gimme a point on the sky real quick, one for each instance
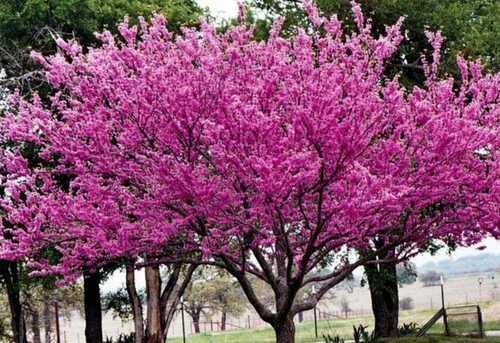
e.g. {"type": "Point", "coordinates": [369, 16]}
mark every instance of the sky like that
{"type": "Point", "coordinates": [492, 246]}
{"type": "Point", "coordinates": [221, 9]}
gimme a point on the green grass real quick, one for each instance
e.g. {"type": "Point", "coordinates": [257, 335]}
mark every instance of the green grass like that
{"type": "Point", "coordinates": [343, 328]}
{"type": "Point", "coordinates": [304, 333]}
{"type": "Point", "coordinates": [441, 339]}
{"type": "Point", "coordinates": [462, 327]}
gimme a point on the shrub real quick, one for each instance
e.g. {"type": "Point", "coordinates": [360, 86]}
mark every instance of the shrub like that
{"type": "Point", "coordinates": [361, 335]}
{"type": "Point", "coordinates": [333, 339]}
{"type": "Point", "coordinates": [408, 329]}
{"type": "Point", "coordinates": [406, 304]}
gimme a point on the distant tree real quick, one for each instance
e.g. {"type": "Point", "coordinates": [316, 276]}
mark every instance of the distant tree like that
{"type": "Point", "coordinates": [406, 304]}
{"type": "Point", "coordinates": [226, 297]}
{"type": "Point", "coordinates": [406, 273]}
{"type": "Point", "coordinates": [118, 303]}
{"type": "Point", "coordinates": [344, 307]}
{"type": "Point", "coordinates": [213, 292]}
{"type": "Point", "coordinates": [430, 278]}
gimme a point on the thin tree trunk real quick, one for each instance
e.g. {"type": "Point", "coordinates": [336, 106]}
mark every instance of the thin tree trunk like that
{"type": "Point", "coordinates": [93, 311]}
{"type": "Point", "coordinates": [385, 299]}
{"type": "Point", "coordinates": [223, 319]}
{"type": "Point", "coordinates": [153, 293]}
{"type": "Point", "coordinates": [136, 304]}
{"type": "Point", "coordinates": [172, 294]}
{"type": "Point", "coordinates": [35, 326]}
{"type": "Point", "coordinates": [47, 321]}
{"type": "Point", "coordinates": [285, 330]}
{"type": "Point", "coordinates": [196, 320]}
{"type": "Point", "coordinates": [10, 273]}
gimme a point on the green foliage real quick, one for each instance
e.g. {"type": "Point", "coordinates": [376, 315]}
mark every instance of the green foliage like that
{"type": "Point", "coordinates": [406, 273]}
{"type": "Point", "coordinates": [20, 21]}
{"type": "Point", "coordinates": [408, 329]}
{"type": "Point", "coordinates": [360, 334]}
{"type": "Point", "coordinates": [333, 339]}
{"type": "Point", "coordinates": [27, 25]}
{"type": "Point", "coordinates": [123, 338]}
{"type": "Point", "coordinates": [470, 27]}
{"type": "Point", "coordinates": [214, 291]}
{"type": "Point", "coordinates": [118, 302]}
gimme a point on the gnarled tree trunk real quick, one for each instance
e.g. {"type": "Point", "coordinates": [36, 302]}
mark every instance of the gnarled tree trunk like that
{"type": "Point", "coordinates": [92, 304]}
{"type": "Point", "coordinates": [285, 330]}
{"type": "Point", "coordinates": [153, 294]}
{"type": "Point", "coordinates": [385, 298]}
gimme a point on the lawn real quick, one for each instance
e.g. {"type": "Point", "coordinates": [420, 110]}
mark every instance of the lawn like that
{"type": "Point", "coordinates": [343, 328]}
{"type": "Point", "coordinates": [441, 339]}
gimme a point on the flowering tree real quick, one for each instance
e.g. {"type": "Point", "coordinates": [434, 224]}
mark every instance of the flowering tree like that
{"type": "Point", "coordinates": [269, 159]}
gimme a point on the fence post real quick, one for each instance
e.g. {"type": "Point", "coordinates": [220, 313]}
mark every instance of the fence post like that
{"type": "Point", "coordinates": [315, 323]}
{"type": "Point", "coordinates": [480, 319]}
{"type": "Point", "coordinates": [445, 316]}
{"type": "Point", "coordinates": [58, 333]}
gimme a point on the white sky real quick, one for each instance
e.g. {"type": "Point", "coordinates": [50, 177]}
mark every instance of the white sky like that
{"type": "Point", "coordinates": [491, 245]}
{"type": "Point", "coordinates": [117, 280]}
{"type": "Point", "coordinates": [221, 9]}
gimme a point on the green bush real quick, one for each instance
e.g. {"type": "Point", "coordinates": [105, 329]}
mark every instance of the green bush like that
{"type": "Point", "coordinates": [123, 338]}
{"type": "Point", "coordinates": [408, 329]}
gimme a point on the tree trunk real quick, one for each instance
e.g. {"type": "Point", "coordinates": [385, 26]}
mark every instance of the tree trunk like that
{"type": "Point", "coordinates": [47, 321]}
{"type": "Point", "coordinates": [301, 317]}
{"type": "Point", "coordinates": [196, 321]}
{"type": "Point", "coordinates": [223, 321]}
{"type": "Point", "coordinates": [171, 295]}
{"type": "Point", "coordinates": [10, 274]}
{"type": "Point", "coordinates": [285, 330]}
{"type": "Point", "coordinates": [385, 299]}
{"type": "Point", "coordinates": [153, 293]}
{"type": "Point", "coordinates": [136, 304]}
{"type": "Point", "coordinates": [93, 311]}
{"type": "Point", "coordinates": [35, 326]}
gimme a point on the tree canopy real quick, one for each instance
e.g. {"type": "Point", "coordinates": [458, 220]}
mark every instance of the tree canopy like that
{"type": "Point", "coordinates": [265, 158]}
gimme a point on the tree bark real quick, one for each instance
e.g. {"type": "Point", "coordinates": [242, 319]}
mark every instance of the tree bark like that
{"type": "Point", "coordinates": [47, 321]}
{"type": "Point", "coordinates": [385, 298]}
{"type": "Point", "coordinates": [93, 310]}
{"type": "Point", "coordinates": [136, 304]}
{"type": "Point", "coordinates": [285, 330]}
{"type": "Point", "coordinates": [35, 326]}
{"type": "Point", "coordinates": [223, 321]}
{"type": "Point", "coordinates": [10, 274]}
{"type": "Point", "coordinates": [154, 313]}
